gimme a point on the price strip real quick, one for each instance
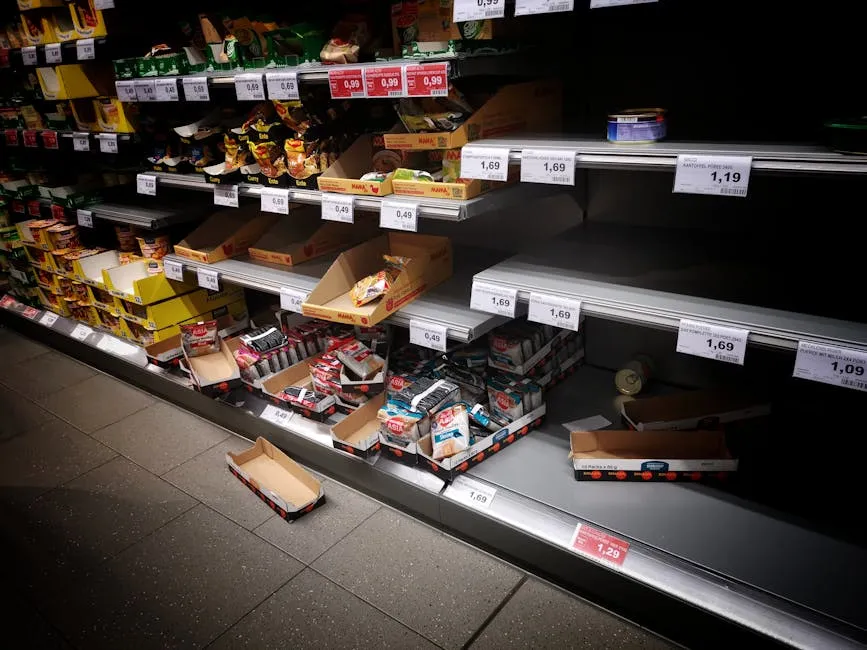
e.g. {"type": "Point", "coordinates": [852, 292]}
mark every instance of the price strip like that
{"type": "Point", "coordinates": [486, 163]}
{"type": "Point", "coordinates": [472, 493]}
{"type": "Point", "coordinates": [53, 53]}
{"type": "Point", "coordinates": [226, 195]}
{"type": "Point", "coordinates": [590, 541]}
{"type": "Point", "coordinates": [291, 299]}
{"type": "Point", "coordinates": [196, 89]}
{"type": "Point", "coordinates": [274, 199]}
{"type": "Point", "coordinates": [173, 270]}
{"type": "Point", "coordinates": [399, 215]}
{"type": "Point", "coordinates": [555, 310]}
{"type": "Point", "coordinates": [28, 54]}
{"type": "Point", "coordinates": [49, 140]}
{"type": "Point", "coordinates": [145, 90]}
{"type": "Point", "coordinates": [599, 4]}
{"type": "Point", "coordinates": [108, 144]}
{"type": "Point", "coordinates": [718, 175]}
{"type": "Point", "coordinates": [831, 365]}
{"type": "Point", "coordinates": [81, 332]}
{"type": "Point", "coordinates": [427, 80]}
{"type": "Point", "coordinates": [29, 138]}
{"type": "Point", "coordinates": [85, 218]}
{"type": "Point", "coordinates": [11, 137]}
{"type": "Point", "coordinates": [85, 49]}
{"type": "Point", "coordinates": [384, 81]}
{"type": "Point", "coordinates": [277, 416]}
{"type": "Point", "coordinates": [48, 319]}
{"type": "Point", "coordinates": [493, 299]}
{"type": "Point", "coordinates": [146, 184]}
{"type": "Point", "coordinates": [208, 279]}
{"type": "Point", "coordinates": [527, 7]}
{"type": "Point", "coordinates": [282, 85]}
{"type": "Point", "coordinates": [338, 207]}
{"type": "Point", "coordinates": [345, 83]}
{"type": "Point", "coordinates": [428, 335]}
{"type": "Point", "coordinates": [466, 10]}
{"type": "Point", "coordinates": [167, 90]}
{"type": "Point", "coordinates": [727, 344]}
{"type": "Point", "coordinates": [249, 87]}
{"type": "Point", "coordinates": [548, 166]}
{"type": "Point", "coordinates": [126, 91]}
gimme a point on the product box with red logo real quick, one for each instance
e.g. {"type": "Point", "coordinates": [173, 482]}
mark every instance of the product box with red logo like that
{"type": "Point", "coordinates": [226, 234]}
{"type": "Point", "coordinates": [358, 432]}
{"type": "Point", "coordinates": [311, 405]}
{"type": "Point", "coordinates": [213, 374]}
{"type": "Point", "coordinates": [344, 174]}
{"type": "Point", "coordinates": [166, 353]}
{"type": "Point", "coordinates": [459, 189]}
{"type": "Point", "coordinates": [430, 263]}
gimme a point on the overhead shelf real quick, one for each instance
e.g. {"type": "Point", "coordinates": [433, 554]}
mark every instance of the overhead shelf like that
{"type": "Point", "coordinates": [150, 218]}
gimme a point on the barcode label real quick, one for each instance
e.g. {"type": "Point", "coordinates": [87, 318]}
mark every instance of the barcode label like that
{"type": "Point", "coordinates": [851, 383]}
{"type": "Point", "coordinates": [728, 358]}
{"type": "Point", "coordinates": [737, 191]}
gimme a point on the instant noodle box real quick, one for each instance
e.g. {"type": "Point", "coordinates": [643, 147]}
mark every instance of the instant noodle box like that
{"type": "Point", "coordinates": [133, 282]}
{"type": "Point", "coordinates": [344, 174]}
{"type": "Point", "coordinates": [89, 269]}
{"type": "Point", "coordinates": [160, 315]}
{"type": "Point", "coordinates": [33, 232]}
{"type": "Point", "coordinates": [225, 234]}
{"type": "Point", "coordinates": [701, 409]}
{"type": "Point", "coordinates": [358, 432]}
{"type": "Point", "coordinates": [103, 300]}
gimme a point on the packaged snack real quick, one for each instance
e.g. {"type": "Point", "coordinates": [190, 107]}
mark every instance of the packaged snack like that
{"type": "Point", "coordinates": [505, 402]}
{"type": "Point", "coordinates": [154, 247]}
{"type": "Point", "coordinates": [374, 176]}
{"type": "Point", "coordinates": [236, 155]}
{"type": "Point", "coordinates": [200, 338]}
{"type": "Point", "coordinates": [402, 424]}
{"type": "Point", "coordinates": [480, 415]}
{"type": "Point", "coordinates": [403, 174]}
{"type": "Point", "coordinates": [126, 238]}
{"type": "Point", "coordinates": [270, 157]}
{"type": "Point", "coordinates": [264, 339]}
{"type": "Point", "coordinates": [360, 360]}
{"type": "Point", "coordinates": [306, 398]}
{"type": "Point", "coordinates": [349, 36]}
{"type": "Point", "coordinates": [450, 431]}
{"type": "Point", "coordinates": [370, 288]}
{"type": "Point", "coordinates": [427, 395]}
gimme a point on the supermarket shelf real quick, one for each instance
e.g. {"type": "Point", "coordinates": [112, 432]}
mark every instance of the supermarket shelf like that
{"type": "Point", "coordinates": [150, 218]}
{"type": "Point", "coordinates": [68, 54]}
{"type": "Point", "coordinates": [598, 154]}
{"type": "Point", "coordinates": [64, 138]}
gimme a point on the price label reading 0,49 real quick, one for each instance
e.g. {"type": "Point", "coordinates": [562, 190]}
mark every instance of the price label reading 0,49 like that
{"type": "Point", "coordinates": [249, 87]}
{"type": "Point", "coordinates": [548, 166]}
{"type": "Point", "coordinates": [146, 90]}
{"type": "Point", "coordinates": [292, 299]}
{"type": "Point", "coordinates": [831, 365]}
{"type": "Point", "coordinates": [126, 91]}
{"type": "Point", "coordinates": [398, 215]}
{"type": "Point", "coordinates": [196, 89]}
{"type": "Point", "coordinates": [427, 79]}
{"type": "Point", "coordinates": [428, 335]}
{"type": "Point", "coordinates": [338, 207]}
{"type": "Point", "coordinates": [208, 279]}
{"type": "Point", "coordinates": [466, 10]}
{"type": "Point", "coordinates": [282, 85]}
{"type": "Point", "coordinates": [727, 344]}
{"type": "Point", "coordinates": [718, 175]}
{"type": "Point", "coordinates": [493, 299]}
{"type": "Point", "coordinates": [555, 310]}
{"type": "Point", "coordinates": [167, 90]}
{"type": "Point", "coordinates": [276, 415]}
{"type": "Point", "coordinates": [173, 270]}
{"type": "Point", "coordinates": [274, 199]}
{"type": "Point", "coordinates": [485, 163]}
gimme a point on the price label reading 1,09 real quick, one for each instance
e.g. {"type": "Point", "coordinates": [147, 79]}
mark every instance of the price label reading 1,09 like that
{"type": "Point", "coordinates": [493, 299]}
{"type": "Point", "coordinates": [831, 365]}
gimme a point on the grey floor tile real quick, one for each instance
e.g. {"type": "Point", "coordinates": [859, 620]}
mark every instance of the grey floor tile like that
{"type": "Point", "coordinates": [207, 478]}
{"type": "Point", "coordinates": [15, 348]}
{"type": "Point", "coordinates": [18, 414]}
{"type": "Point", "coordinates": [22, 622]}
{"type": "Point", "coordinates": [96, 402]}
{"type": "Point", "coordinates": [435, 585]}
{"type": "Point", "coordinates": [161, 437]}
{"type": "Point", "coordinates": [311, 535]}
{"type": "Point", "coordinates": [44, 374]}
{"type": "Point", "coordinates": [541, 616]}
{"type": "Point", "coordinates": [312, 612]}
{"type": "Point", "coordinates": [180, 587]}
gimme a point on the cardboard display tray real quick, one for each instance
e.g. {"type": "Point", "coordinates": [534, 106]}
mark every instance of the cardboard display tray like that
{"type": "Point", "coordinates": [133, 283]}
{"type": "Point", "coordinates": [225, 234]}
{"type": "Point", "coordinates": [214, 374]}
{"type": "Point", "coordinates": [296, 375]}
{"type": "Point", "coordinates": [358, 432]}
{"type": "Point", "coordinates": [701, 409]}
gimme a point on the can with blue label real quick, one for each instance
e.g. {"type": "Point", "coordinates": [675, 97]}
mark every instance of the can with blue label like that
{"type": "Point", "coordinates": [637, 126]}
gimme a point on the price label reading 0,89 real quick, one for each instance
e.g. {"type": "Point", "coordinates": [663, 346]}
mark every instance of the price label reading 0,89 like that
{"type": "Point", "coordinates": [85, 49]}
{"type": "Point", "coordinates": [226, 195]}
{"type": "Point", "coordinates": [167, 90]}
{"type": "Point", "coordinates": [208, 279]}
{"type": "Point", "coordinates": [292, 299]}
{"type": "Point", "coordinates": [589, 541]}
{"type": "Point", "coordinates": [548, 166]}
{"type": "Point", "coordinates": [108, 144]}
{"type": "Point", "coordinates": [196, 89]}
{"type": "Point", "coordinates": [399, 215]}
{"type": "Point", "coordinates": [274, 199]}
{"type": "Point", "coordinates": [718, 175]}
{"type": "Point", "coordinates": [427, 79]}
{"type": "Point", "coordinates": [282, 85]}
{"type": "Point", "coordinates": [493, 299]}
{"type": "Point", "coordinates": [555, 310]}
{"type": "Point", "coordinates": [428, 335]}
{"type": "Point", "coordinates": [346, 83]}
{"type": "Point", "coordinates": [338, 207]}
{"type": "Point", "coordinates": [146, 184]}
{"type": "Point", "coordinates": [173, 270]}
{"type": "Point", "coordinates": [30, 138]}
{"type": "Point", "coordinates": [11, 137]}
{"type": "Point", "coordinates": [472, 493]}
{"type": "Point", "coordinates": [831, 365]}
{"type": "Point", "coordinates": [486, 163]}
{"type": "Point", "coordinates": [727, 344]}
{"type": "Point", "coordinates": [53, 53]}
{"type": "Point", "coordinates": [85, 218]}
{"type": "Point", "coordinates": [466, 10]}
{"type": "Point", "coordinates": [527, 7]}
{"type": "Point", "coordinates": [249, 87]}
{"type": "Point", "coordinates": [384, 81]}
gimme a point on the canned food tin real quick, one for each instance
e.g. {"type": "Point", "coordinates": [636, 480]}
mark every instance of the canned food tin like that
{"type": "Point", "coordinates": [633, 377]}
{"type": "Point", "coordinates": [637, 126]}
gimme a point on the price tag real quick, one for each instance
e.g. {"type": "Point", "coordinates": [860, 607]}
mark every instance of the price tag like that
{"type": "Point", "coordinates": [108, 143]}
{"type": "Point", "coordinates": [208, 279]}
{"type": "Point", "coordinates": [85, 218]}
{"type": "Point", "coordinates": [196, 89]}
{"type": "Point", "coordinates": [831, 365]}
{"type": "Point", "coordinates": [126, 91]}
{"type": "Point", "coordinates": [28, 54]}
{"type": "Point", "coordinates": [590, 541]}
{"type": "Point", "coordinates": [145, 90]}
{"type": "Point", "coordinates": [338, 207]}
{"type": "Point", "coordinates": [719, 175]}
{"type": "Point", "coordinates": [399, 215]}
{"type": "Point", "coordinates": [226, 195]}
{"type": "Point", "coordinates": [345, 82]}
{"type": "Point", "coordinates": [53, 53]}
{"type": "Point", "coordinates": [30, 312]}
{"type": "Point", "coordinates": [167, 90]}
{"type": "Point", "coordinates": [34, 208]}
{"type": "Point", "coordinates": [81, 141]}
{"type": "Point", "coordinates": [486, 163]}
{"type": "Point", "coordinates": [81, 332]}
{"type": "Point", "coordinates": [427, 80]}
{"type": "Point", "coordinates": [249, 87]}
{"type": "Point", "coordinates": [548, 166]}
{"type": "Point", "coordinates": [29, 138]}
{"type": "Point", "coordinates": [384, 81]}
{"type": "Point", "coordinates": [11, 137]}
{"type": "Point", "coordinates": [466, 10]}
{"type": "Point", "coordinates": [282, 85]}
{"type": "Point", "coordinates": [276, 415]}
{"type": "Point", "coordinates": [599, 4]}
{"type": "Point", "coordinates": [493, 299]}
{"type": "Point", "coordinates": [428, 335]}
{"type": "Point", "coordinates": [555, 310]}
{"type": "Point", "coordinates": [291, 299]}
{"type": "Point", "coordinates": [173, 270]}
{"type": "Point", "coordinates": [146, 184]}
{"type": "Point", "coordinates": [49, 140]}
{"type": "Point", "coordinates": [114, 346]}
{"type": "Point", "coordinates": [274, 199]}
{"type": "Point", "coordinates": [99, 5]}
{"type": "Point", "coordinates": [727, 344]}
{"type": "Point", "coordinates": [472, 493]}
{"type": "Point", "coordinates": [527, 7]}
{"type": "Point", "coordinates": [48, 319]}
{"type": "Point", "coordinates": [6, 301]}
{"type": "Point", "coordinates": [85, 49]}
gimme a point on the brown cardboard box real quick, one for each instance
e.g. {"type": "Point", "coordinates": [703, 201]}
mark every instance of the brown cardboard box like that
{"type": "Point", "coordinates": [430, 264]}
{"type": "Point", "coordinates": [700, 409]}
{"type": "Point", "coordinates": [213, 374]}
{"type": "Point", "coordinates": [358, 432]}
{"type": "Point", "coordinates": [343, 176]}
{"type": "Point", "coordinates": [298, 375]}
{"type": "Point", "coordinates": [225, 234]}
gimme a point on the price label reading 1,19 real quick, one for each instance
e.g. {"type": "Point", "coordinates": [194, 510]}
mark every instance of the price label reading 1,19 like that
{"type": "Point", "coordinates": [548, 166]}
{"type": "Point", "coordinates": [590, 541]}
{"type": "Point", "coordinates": [208, 279]}
{"type": "Point", "coordinates": [282, 85]}
{"type": "Point", "coordinates": [292, 299]}
{"type": "Point", "coordinates": [494, 299]}
{"type": "Point", "coordinates": [384, 81]}
{"type": "Point", "coordinates": [81, 142]}
{"type": "Point", "coordinates": [85, 49]}
{"type": "Point", "coordinates": [831, 365]}
{"type": "Point", "coordinates": [85, 218]}
{"type": "Point", "coordinates": [173, 270]}
{"type": "Point", "coordinates": [274, 199]}
{"type": "Point", "coordinates": [466, 10]}
{"type": "Point", "coordinates": [226, 195]}
{"type": "Point", "coordinates": [527, 7]}
{"type": "Point", "coordinates": [146, 184]}
{"type": "Point", "coordinates": [428, 335]}
{"type": "Point", "coordinates": [167, 90]}
{"type": "Point", "coordinates": [108, 143]}
{"type": "Point", "coordinates": [727, 344]}
{"type": "Point", "coordinates": [249, 87]}
{"type": "Point", "coordinates": [719, 175]}
{"type": "Point", "coordinates": [486, 163]}
{"type": "Point", "coordinates": [338, 207]}
{"type": "Point", "coordinates": [427, 79]}
{"type": "Point", "coordinates": [472, 493]}
{"type": "Point", "coordinates": [399, 215]}
{"type": "Point", "coordinates": [555, 310]}
{"type": "Point", "coordinates": [28, 54]}
{"type": "Point", "coordinates": [196, 89]}
{"type": "Point", "coordinates": [346, 83]}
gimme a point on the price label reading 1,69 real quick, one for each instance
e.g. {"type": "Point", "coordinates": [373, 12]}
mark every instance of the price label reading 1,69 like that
{"type": "Point", "coordinates": [555, 310]}
{"type": "Point", "coordinates": [720, 175]}
{"type": "Point", "coordinates": [472, 493]}
{"type": "Point", "coordinates": [548, 166]}
{"type": "Point", "coordinates": [486, 163]}
{"type": "Point", "coordinates": [493, 299]}
{"type": "Point", "coordinates": [727, 344]}
{"type": "Point", "coordinates": [831, 365]}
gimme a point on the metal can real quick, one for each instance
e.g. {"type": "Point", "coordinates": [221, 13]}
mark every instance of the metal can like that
{"type": "Point", "coordinates": [637, 126]}
{"type": "Point", "coordinates": [633, 377]}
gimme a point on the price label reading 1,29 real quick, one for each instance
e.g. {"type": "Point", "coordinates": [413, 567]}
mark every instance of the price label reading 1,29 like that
{"type": "Point", "coordinates": [428, 335]}
{"type": "Point", "coordinates": [146, 184]}
{"type": "Point", "coordinates": [249, 87]}
{"type": "Point", "coordinates": [472, 493]}
{"type": "Point", "coordinates": [486, 163]}
{"type": "Point", "coordinates": [384, 81]}
{"type": "Point", "coordinates": [427, 79]}
{"type": "Point", "coordinates": [282, 85]}
{"type": "Point", "coordinates": [346, 83]}
{"type": "Point", "coordinates": [589, 541]}
{"type": "Point", "coordinates": [831, 365]}
{"type": "Point", "coordinates": [527, 7]}
{"type": "Point", "coordinates": [196, 89]}
{"type": "Point", "coordinates": [493, 299]}
{"type": "Point", "coordinates": [466, 10]}
{"type": "Point", "coordinates": [338, 207]}
{"type": "Point", "coordinates": [85, 49]}
{"type": "Point", "coordinates": [727, 344]}
{"type": "Point", "coordinates": [399, 215]}
{"type": "Point", "coordinates": [274, 199]}
{"type": "Point", "coordinates": [719, 175]}
{"type": "Point", "coordinates": [548, 166]}
{"type": "Point", "coordinates": [555, 310]}
{"type": "Point", "coordinates": [292, 299]}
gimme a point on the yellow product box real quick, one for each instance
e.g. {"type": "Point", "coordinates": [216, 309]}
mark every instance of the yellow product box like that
{"type": "Point", "coordinates": [89, 268]}
{"type": "Point", "coordinates": [85, 314]}
{"type": "Point", "coordinates": [49, 281]}
{"type": "Point", "coordinates": [115, 116]}
{"type": "Point", "coordinates": [39, 258]}
{"type": "Point", "coordinates": [87, 18]}
{"type": "Point", "coordinates": [344, 174]}
{"type": "Point", "coordinates": [64, 26]}
{"type": "Point", "coordinates": [103, 300]}
{"type": "Point", "coordinates": [64, 259]}
{"type": "Point", "coordinates": [235, 312]}
{"type": "Point", "coordinates": [32, 232]}
{"type": "Point", "coordinates": [132, 282]}
{"type": "Point", "coordinates": [38, 28]}
{"type": "Point", "coordinates": [73, 81]}
{"type": "Point", "coordinates": [109, 321]}
{"type": "Point", "coordinates": [24, 5]}
{"type": "Point", "coordinates": [225, 234]}
{"type": "Point", "coordinates": [63, 236]}
{"type": "Point", "coordinates": [430, 263]}
{"type": "Point", "coordinates": [54, 303]}
{"type": "Point", "coordinates": [176, 310]}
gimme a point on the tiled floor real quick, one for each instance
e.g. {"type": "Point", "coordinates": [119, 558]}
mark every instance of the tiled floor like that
{"type": "Point", "coordinates": [120, 527]}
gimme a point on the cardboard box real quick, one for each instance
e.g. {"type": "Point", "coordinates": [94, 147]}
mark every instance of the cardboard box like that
{"type": "Point", "coordinates": [115, 116]}
{"type": "Point", "coordinates": [422, 21]}
{"type": "Point", "coordinates": [65, 259]}
{"type": "Point", "coordinates": [225, 234]}
{"type": "Point", "coordinates": [33, 232]}
{"type": "Point", "coordinates": [532, 107]}
{"type": "Point", "coordinates": [132, 282]}
{"type": "Point", "coordinates": [532, 366]}
{"type": "Point", "coordinates": [296, 375]}
{"type": "Point", "coordinates": [159, 315]}
{"type": "Point", "coordinates": [236, 312]}
{"type": "Point", "coordinates": [701, 409]}
{"type": "Point", "coordinates": [103, 300]}
{"type": "Point", "coordinates": [89, 269]}
{"type": "Point", "coordinates": [343, 176]}
{"type": "Point", "coordinates": [88, 20]}
{"type": "Point", "coordinates": [214, 374]}
{"type": "Point", "coordinates": [607, 455]}
{"type": "Point", "coordinates": [54, 303]}
{"type": "Point", "coordinates": [358, 432]}
{"type": "Point", "coordinates": [458, 191]}
{"type": "Point", "coordinates": [24, 5]}
{"type": "Point", "coordinates": [288, 489]}
{"type": "Point", "coordinates": [72, 81]}
{"type": "Point", "coordinates": [39, 258]}
{"type": "Point", "coordinates": [167, 351]}
{"type": "Point", "coordinates": [430, 264]}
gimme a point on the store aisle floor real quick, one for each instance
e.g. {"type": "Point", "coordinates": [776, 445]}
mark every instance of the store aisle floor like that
{"type": "Point", "coordinates": [122, 528]}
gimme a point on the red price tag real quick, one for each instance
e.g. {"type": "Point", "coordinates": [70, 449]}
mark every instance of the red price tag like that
{"type": "Point", "coordinates": [427, 80]}
{"type": "Point", "coordinates": [346, 82]}
{"type": "Point", "coordinates": [34, 209]}
{"type": "Point", "coordinates": [12, 137]}
{"type": "Point", "coordinates": [49, 139]}
{"type": "Point", "coordinates": [57, 212]}
{"type": "Point", "coordinates": [30, 312]}
{"type": "Point", "coordinates": [18, 207]}
{"type": "Point", "coordinates": [30, 139]}
{"type": "Point", "coordinates": [589, 541]}
{"type": "Point", "coordinates": [384, 81]}
{"type": "Point", "coordinates": [4, 58]}
{"type": "Point", "coordinates": [6, 301]}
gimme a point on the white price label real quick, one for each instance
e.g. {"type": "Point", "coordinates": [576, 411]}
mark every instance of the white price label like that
{"type": "Point", "coordinates": [249, 87]}
{"type": "Point", "coordinates": [173, 270]}
{"type": "Point", "coordinates": [493, 299]}
{"type": "Point", "coordinates": [114, 346]}
{"type": "Point", "coordinates": [208, 279]}
{"type": "Point", "coordinates": [555, 310]}
{"type": "Point", "coordinates": [108, 143]}
{"type": "Point", "coordinates": [277, 416]}
{"type": "Point", "coordinates": [166, 90]}
{"type": "Point", "coordinates": [274, 199]}
{"type": "Point", "coordinates": [399, 215]}
{"type": "Point", "coordinates": [719, 175]}
{"type": "Point", "coordinates": [145, 90]}
{"type": "Point", "coordinates": [527, 7]}
{"type": "Point", "coordinates": [727, 344]}
{"type": "Point", "coordinates": [85, 49]}
{"type": "Point", "coordinates": [599, 4]}
{"type": "Point", "coordinates": [486, 163]}
{"type": "Point", "coordinates": [428, 335]}
{"type": "Point", "coordinates": [53, 53]}
{"type": "Point", "coordinates": [473, 493]}
{"type": "Point", "coordinates": [338, 207]}
{"type": "Point", "coordinates": [291, 299]}
{"type": "Point", "coordinates": [126, 91]}
{"type": "Point", "coordinates": [81, 142]}
{"type": "Point", "coordinates": [466, 10]}
{"type": "Point", "coordinates": [548, 166]}
{"type": "Point", "coordinates": [99, 5]}
{"type": "Point", "coordinates": [85, 218]}
{"type": "Point", "coordinates": [196, 89]}
{"type": "Point", "coordinates": [146, 184]}
{"type": "Point", "coordinates": [226, 195]}
{"type": "Point", "coordinates": [282, 85]}
{"type": "Point", "coordinates": [81, 332]}
{"type": "Point", "coordinates": [29, 55]}
{"type": "Point", "coordinates": [831, 365]}
{"type": "Point", "coordinates": [49, 318]}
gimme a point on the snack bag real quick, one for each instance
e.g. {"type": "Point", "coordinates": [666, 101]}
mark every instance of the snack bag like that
{"type": "Point", "coordinates": [450, 431]}
{"type": "Point", "coordinates": [360, 360]}
{"type": "Point", "coordinates": [200, 338]}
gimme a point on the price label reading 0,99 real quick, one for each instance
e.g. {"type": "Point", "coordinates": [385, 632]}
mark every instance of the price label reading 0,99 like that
{"type": "Point", "coordinates": [384, 81]}
{"type": "Point", "coordinates": [727, 344]}
{"type": "Point", "coordinates": [493, 299]}
{"type": "Point", "coordinates": [49, 139]}
{"type": "Point", "coordinates": [85, 49]}
{"type": "Point", "coordinates": [173, 270]}
{"type": "Point", "coordinates": [85, 218]}
{"type": "Point", "coordinates": [472, 493]}
{"type": "Point", "coordinates": [527, 7]}
{"type": "Point", "coordinates": [831, 365]}
{"type": "Point", "coordinates": [486, 163]}
{"type": "Point", "coordinates": [11, 137]}
{"type": "Point", "coordinates": [346, 83]}
{"type": "Point", "coordinates": [274, 199]}
{"type": "Point", "coordinates": [108, 144]}
{"type": "Point", "coordinates": [338, 207]}
{"type": "Point", "coordinates": [292, 299]}
{"type": "Point", "coordinates": [718, 175]}
{"type": "Point", "coordinates": [146, 184]}
{"type": "Point", "coordinates": [428, 335]}
{"type": "Point", "coordinates": [196, 89]}
{"type": "Point", "coordinates": [226, 195]}
{"type": "Point", "coordinates": [466, 10]}
{"type": "Point", "coordinates": [555, 310]}
{"type": "Point", "coordinates": [30, 138]}
{"type": "Point", "coordinates": [282, 85]}
{"type": "Point", "coordinates": [53, 53]}
{"type": "Point", "coordinates": [427, 79]}
{"type": "Point", "coordinates": [548, 166]}
{"type": "Point", "coordinates": [167, 90]}
{"type": "Point", "coordinates": [593, 542]}
{"type": "Point", "coordinates": [208, 279]}
{"type": "Point", "coordinates": [399, 215]}
{"type": "Point", "coordinates": [249, 87]}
